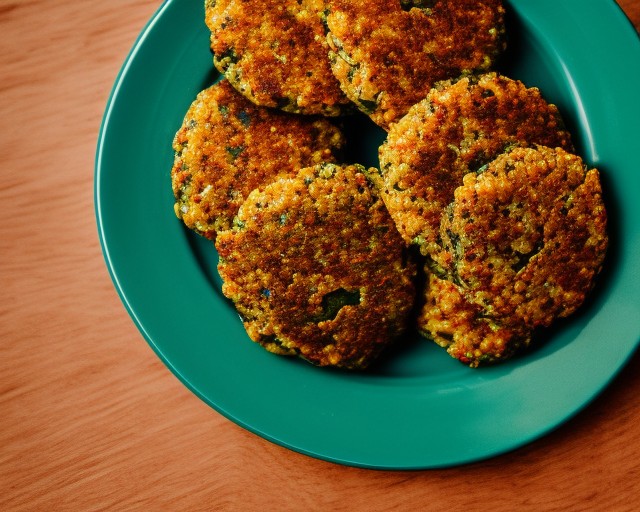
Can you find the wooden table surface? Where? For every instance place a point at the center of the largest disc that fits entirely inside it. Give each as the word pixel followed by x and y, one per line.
pixel 90 419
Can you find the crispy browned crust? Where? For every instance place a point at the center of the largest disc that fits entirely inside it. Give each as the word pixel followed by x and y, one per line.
pixel 227 146
pixel 465 329
pixel 387 55
pixel 526 237
pixel 275 53
pixel 458 128
pixel 316 268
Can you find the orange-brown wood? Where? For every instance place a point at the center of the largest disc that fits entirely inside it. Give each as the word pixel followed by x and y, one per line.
pixel 90 419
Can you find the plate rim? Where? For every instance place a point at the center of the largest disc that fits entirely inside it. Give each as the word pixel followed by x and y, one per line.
pixel 120 288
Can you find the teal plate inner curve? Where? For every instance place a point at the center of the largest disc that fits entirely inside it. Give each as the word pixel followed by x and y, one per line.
pixel 418 408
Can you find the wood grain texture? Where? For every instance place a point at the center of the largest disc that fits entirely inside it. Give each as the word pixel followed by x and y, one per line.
pixel 90 419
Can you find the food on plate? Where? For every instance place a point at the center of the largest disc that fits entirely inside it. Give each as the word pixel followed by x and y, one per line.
pixel 316 268
pixel 275 54
pixel 387 54
pixel 477 171
pixel 227 147
pixel 461 126
pixel 525 237
pixel 464 329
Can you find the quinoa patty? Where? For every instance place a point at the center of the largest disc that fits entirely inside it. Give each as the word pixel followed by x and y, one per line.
pixel 526 237
pixel 460 126
pixel 227 146
pixel 464 328
pixel 387 54
pixel 316 268
pixel 275 54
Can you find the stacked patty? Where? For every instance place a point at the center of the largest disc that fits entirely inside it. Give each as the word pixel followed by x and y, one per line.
pixel 459 127
pixel 525 237
pixel 490 141
pixel 521 244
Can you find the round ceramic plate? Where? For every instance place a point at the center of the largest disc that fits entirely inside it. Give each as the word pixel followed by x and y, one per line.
pixel 418 408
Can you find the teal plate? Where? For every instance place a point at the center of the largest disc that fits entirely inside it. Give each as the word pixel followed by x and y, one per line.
pixel 418 408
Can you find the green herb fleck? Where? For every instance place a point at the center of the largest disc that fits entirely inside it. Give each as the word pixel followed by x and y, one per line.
pixel 352 72
pixel 334 301
pixel 244 118
pixel 227 57
pixel 347 58
pixel 234 151
pixel 407 5
pixel 238 224
pixel 435 268
pixel 368 106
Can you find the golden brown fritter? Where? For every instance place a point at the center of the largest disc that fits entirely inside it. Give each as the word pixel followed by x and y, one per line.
pixel 387 54
pixel 275 54
pixel 458 128
pixel 316 268
pixel 227 146
pixel 526 237
pixel 464 328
